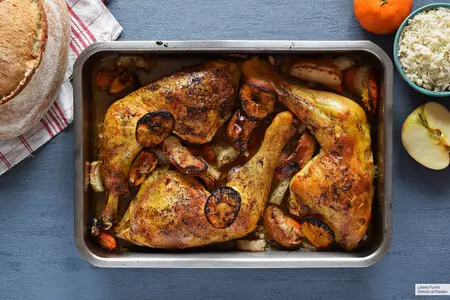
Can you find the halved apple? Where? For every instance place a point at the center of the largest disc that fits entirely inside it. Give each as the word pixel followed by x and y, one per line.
pixel 426 135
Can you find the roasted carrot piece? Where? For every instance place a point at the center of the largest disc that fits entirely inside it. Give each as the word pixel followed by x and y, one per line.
pixel 103 78
pixel 106 241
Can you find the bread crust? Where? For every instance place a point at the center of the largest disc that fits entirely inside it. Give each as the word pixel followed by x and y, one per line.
pixel 30 59
pixel 26 106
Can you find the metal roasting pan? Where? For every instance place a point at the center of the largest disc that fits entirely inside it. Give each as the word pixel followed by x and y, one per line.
pixel 176 54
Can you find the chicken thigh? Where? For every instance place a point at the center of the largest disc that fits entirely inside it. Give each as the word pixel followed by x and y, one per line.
pixel 337 184
pixel 197 100
pixel 172 210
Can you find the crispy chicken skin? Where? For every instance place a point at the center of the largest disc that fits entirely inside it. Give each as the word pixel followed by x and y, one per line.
pixel 169 209
pixel 337 184
pixel 200 98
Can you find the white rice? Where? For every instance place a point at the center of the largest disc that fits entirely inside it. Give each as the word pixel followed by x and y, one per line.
pixel 424 49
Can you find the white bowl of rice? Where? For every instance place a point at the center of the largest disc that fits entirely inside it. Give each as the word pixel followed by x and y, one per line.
pixel 422 50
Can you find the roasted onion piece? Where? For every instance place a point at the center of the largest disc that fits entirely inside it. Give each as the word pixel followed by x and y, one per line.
pixel 279 190
pixel 95 176
pixel 222 207
pixel 182 158
pixel 258 245
pixel 224 154
pixel 211 176
pixel 256 103
pixel 153 128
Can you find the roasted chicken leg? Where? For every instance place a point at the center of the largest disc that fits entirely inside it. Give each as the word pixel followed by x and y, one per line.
pixel 337 184
pixel 195 101
pixel 172 210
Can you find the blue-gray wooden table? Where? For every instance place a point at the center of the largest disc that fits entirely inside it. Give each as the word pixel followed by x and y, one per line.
pixel 38 258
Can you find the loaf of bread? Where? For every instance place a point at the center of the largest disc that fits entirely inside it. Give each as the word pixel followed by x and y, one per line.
pixel 34 39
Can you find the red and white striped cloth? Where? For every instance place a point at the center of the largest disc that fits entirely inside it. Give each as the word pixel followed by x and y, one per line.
pixel 91 22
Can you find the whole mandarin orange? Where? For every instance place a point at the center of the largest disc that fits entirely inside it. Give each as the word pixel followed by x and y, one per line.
pixel 382 16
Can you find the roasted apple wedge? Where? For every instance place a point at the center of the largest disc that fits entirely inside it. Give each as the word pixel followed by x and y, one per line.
pixel 282 228
pixel 343 62
pixel 182 158
pixel 317 70
pixel 362 81
pixel 290 233
pixel 426 135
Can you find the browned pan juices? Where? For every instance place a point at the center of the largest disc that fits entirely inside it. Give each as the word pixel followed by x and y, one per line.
pixel 165 66
pixel 95 105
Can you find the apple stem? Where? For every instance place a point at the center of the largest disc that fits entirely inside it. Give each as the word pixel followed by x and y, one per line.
pixel 383 2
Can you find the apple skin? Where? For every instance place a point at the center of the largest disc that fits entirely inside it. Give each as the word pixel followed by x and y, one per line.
pixel 427 145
